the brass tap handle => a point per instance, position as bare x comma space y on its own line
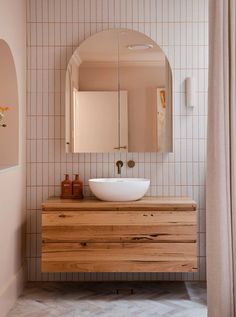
131, 163
120, 147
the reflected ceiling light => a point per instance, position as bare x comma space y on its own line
139, 47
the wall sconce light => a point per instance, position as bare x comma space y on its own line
190, 92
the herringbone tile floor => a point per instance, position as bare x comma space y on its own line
155, 299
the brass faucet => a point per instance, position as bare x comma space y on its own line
119, 164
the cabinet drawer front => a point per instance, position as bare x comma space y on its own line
129, 233
118, 257
85, 218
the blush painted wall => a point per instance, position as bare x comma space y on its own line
12, 180
55, 29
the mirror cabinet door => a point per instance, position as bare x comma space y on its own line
119, 95
145, 74
92, 98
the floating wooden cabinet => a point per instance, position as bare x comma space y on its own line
149, 235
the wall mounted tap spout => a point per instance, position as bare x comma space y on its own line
119, 164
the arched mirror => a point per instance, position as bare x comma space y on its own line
118, 95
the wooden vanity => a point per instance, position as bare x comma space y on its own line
149, 235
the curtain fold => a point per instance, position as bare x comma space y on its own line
221, 161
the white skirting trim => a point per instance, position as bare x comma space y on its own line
11, 291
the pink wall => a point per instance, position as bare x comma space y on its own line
12, 180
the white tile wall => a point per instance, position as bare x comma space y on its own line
55, 29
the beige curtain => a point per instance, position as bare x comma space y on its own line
221, 166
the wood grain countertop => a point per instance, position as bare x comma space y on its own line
147, 203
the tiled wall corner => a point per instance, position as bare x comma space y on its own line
54, 29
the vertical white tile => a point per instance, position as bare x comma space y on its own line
81, 10
159, 10
135, 11
87, 11
51, 174
189, 10
45, 10
33, 127
33, 11
62, 40
57, 34
45, 59
51, 152
57, 12
165, 11
147, 11
45, 174
75, 11
195, 173
69, 34
183, 173
51, 11
33, 57
63, 11
45, 127
44, 150
57, 150
33, 150
39, 126
51, 35
180, 24
51, 130
177, 128
69, 10
171, 10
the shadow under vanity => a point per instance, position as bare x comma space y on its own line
119, 99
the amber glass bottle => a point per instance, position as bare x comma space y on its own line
77, 188
66, 187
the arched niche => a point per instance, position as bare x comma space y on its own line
9, 109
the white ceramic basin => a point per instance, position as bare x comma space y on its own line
119, 189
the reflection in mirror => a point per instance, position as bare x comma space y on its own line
118, 95
9, 110
145, 73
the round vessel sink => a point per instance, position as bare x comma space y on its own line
119, 189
